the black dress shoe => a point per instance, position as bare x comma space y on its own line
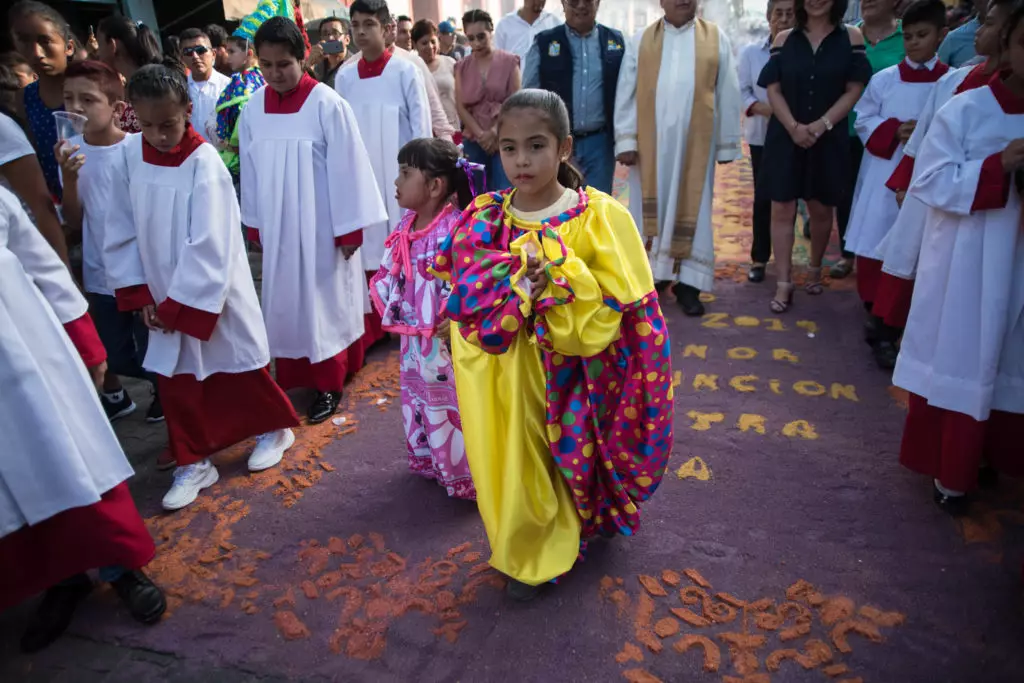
324, 406
756, 273
689, 299
141, 596
988, 477
521, 592
661, 285
54, 614
955, 506
885, 353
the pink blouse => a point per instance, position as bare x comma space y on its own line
483, 97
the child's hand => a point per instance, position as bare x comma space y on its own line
905, 130
150, 318
900, 196
70, 162
348, 252
1013, 156
537, 276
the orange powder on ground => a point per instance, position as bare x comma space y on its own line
629, 653
640, 676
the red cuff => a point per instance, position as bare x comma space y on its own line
899, 181
86, 340
133, 298
750, 110
178, 317
352, 239
884, 141
252, 235
993, 185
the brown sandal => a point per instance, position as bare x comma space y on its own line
783, 297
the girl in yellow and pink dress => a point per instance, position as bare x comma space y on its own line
561, 354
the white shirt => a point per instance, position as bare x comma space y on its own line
513, 33
204, 95
752, 62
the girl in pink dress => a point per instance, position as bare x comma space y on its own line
410, 301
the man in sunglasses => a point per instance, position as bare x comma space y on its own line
205, 84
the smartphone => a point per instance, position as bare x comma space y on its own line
333, 47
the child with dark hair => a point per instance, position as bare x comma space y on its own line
94, 90
43, 37
962, 355
127, 46
885, 118
433, 185
308, 190
902, 245
561, 354
20, 67
173, 250
218, 36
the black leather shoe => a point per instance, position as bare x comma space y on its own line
956, 506
689, 299
988, 477
871, 331
324, 406
661, 285
756, 273
54, 614
885, 353
141, 596
521, 592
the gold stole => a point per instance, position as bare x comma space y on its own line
699, 137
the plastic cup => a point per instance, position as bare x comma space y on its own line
69, 125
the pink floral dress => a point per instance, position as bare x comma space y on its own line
410, 301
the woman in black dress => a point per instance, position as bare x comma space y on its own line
816, 74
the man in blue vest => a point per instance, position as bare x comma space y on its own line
580, 61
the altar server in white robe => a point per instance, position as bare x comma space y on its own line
677, 112
887, 113
307, 192
64, 504
902, 244
174, 251
962, 355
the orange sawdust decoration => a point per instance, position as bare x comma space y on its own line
290, 626
370, 587
807, 627
629, 653
640, 676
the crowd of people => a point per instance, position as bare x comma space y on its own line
475, 221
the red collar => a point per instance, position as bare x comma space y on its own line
909, 74
1010, 103
376, 67
290, 102
975, 78
176, 157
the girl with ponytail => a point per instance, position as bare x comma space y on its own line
127, 46
433, 186
560, 351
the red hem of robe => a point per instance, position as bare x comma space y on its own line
993, 185
253, 235
290, 102
352, 239
376, 67
909, 74
107, 533
950, 446
901, 176
189, 143
327, 375
974, 79
1009, 102
177, 317
86, 339
133, 298
884, 141
892, 300
869, 271
204, 417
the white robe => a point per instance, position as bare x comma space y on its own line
176, 230
306, 179
902, 244
874, 205
59, 451
963, 349
394, 102
673, 110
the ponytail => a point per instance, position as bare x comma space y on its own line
458, 182
569, 176
138, 40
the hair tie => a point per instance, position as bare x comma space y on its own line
469, 168
138, 24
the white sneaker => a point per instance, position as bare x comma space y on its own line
270, 448
188, 482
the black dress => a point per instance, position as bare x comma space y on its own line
811, 83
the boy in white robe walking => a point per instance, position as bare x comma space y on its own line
173, 250
307, 192
962, 355
886, 115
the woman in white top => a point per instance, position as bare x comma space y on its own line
425, 40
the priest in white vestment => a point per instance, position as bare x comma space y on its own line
677, 112
64, 505
308, 191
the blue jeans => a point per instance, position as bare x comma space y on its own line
124, 336
594, 156
496, 178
